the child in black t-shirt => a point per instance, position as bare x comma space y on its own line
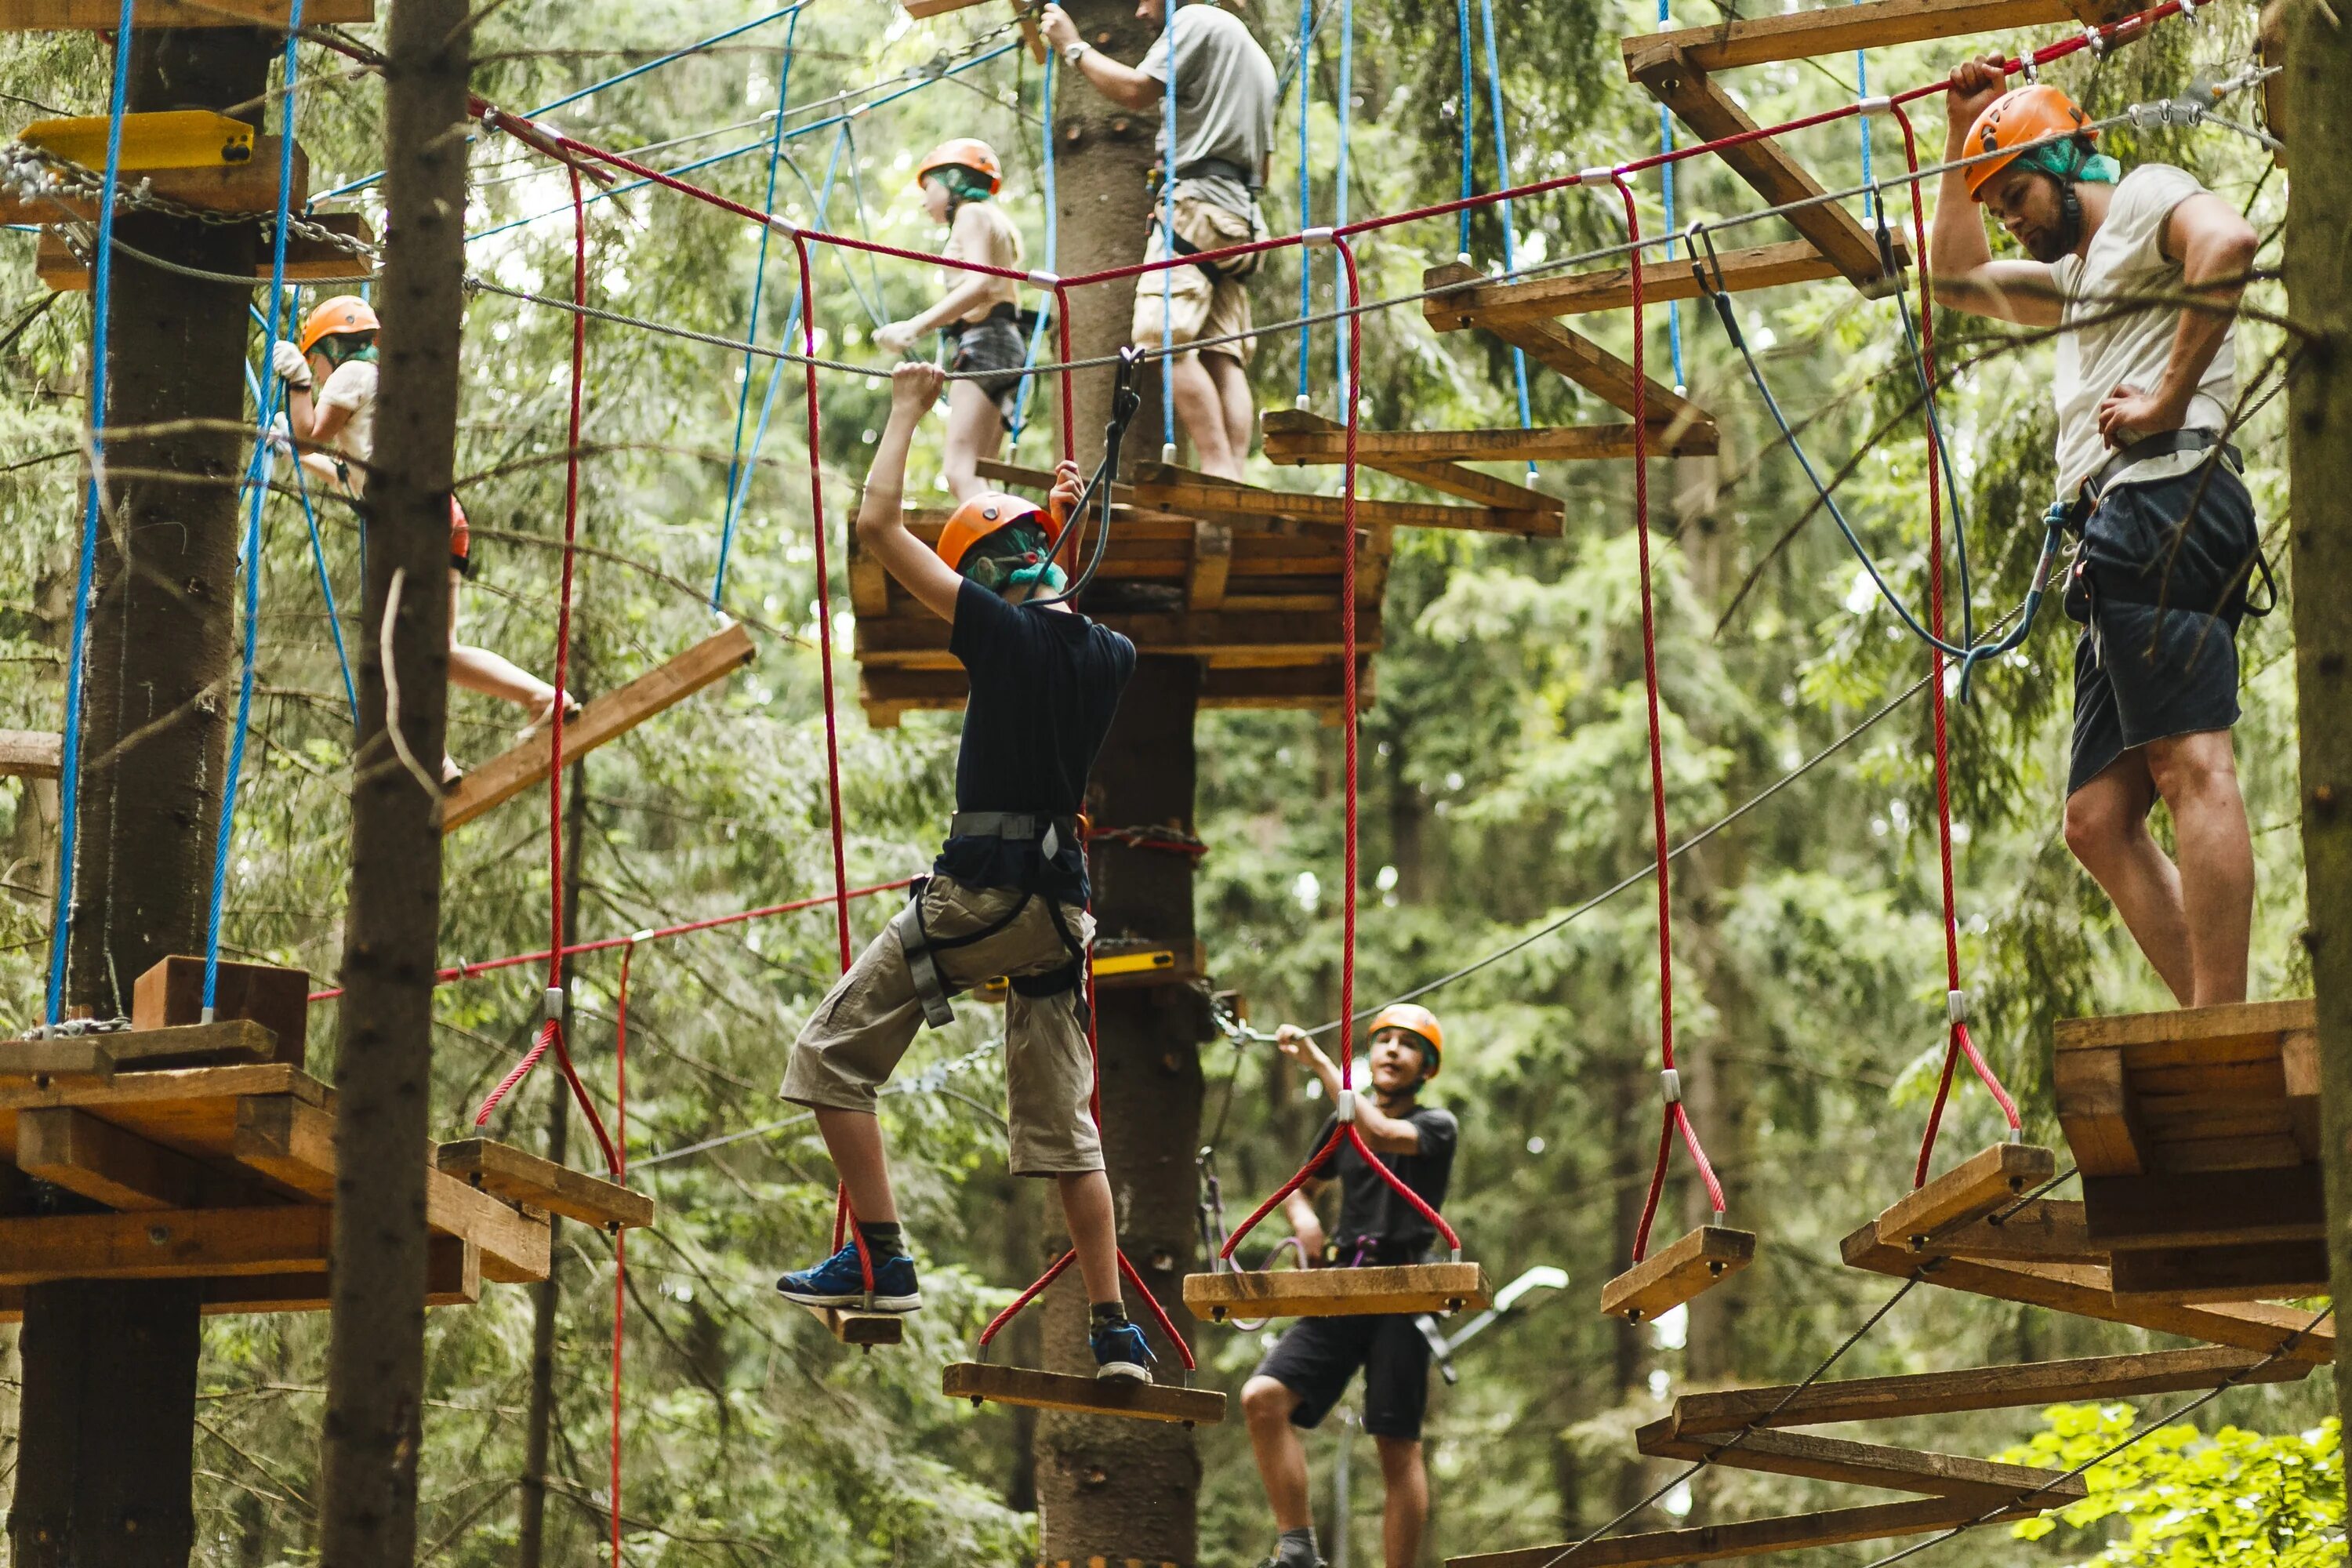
1007, 894
1308, 1367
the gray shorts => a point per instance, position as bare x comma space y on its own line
852, 1044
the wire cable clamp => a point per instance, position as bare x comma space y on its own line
554, 1002
1956, 1006
1669, 1084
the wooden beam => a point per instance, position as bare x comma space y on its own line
102, 15
1569, 442
1579, 358
453, 1278
307, 260
99, 1057
2097, 1113
888, 691
1702, 104
173, 1245
31, 753
1746, 1537
1815, 1457
166, 1087
70, 1148
506, 1172
607, 718
2190, 1274
248, 187
1611, 289
1841, 29
1667, 1279
2189, 1026
1976, 1388
982, 1384
1337, 1293
863, 1330
1181, 490
1210, 567
1279, 424
1969, 1191
2044, 1230
921, 641
2213, 1208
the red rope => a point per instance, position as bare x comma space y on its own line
1676, 1119
620, 1236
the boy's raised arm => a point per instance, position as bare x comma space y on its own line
881, 530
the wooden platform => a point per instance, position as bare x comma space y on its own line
102, 15
2198, 1136
31, 753
982, 1384
602, 719
1338, 1293
306, 259
1667, 1279
249, 187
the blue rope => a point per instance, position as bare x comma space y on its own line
1860, 89
1503, 178
101, 280
1168, 248
289, 75
1306, 190
735, 470
792, 11
1666, 185
1469, 128
1053, 243
318, 546
1345, 109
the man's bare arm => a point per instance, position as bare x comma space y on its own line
881, 530
2215, 248
1122, 84
1959, 256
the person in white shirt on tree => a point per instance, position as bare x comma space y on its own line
330, 371
2141, 274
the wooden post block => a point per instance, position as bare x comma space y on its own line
2213, 1208
607, 718
982, 1384
1211, 568
511, 1173
863, 1330
74, 1149
2243, 1273
2096, 1111
1970, 1190
31, 753
1337, 1293
172, 991
1665, 1280
1814, 1458
1745, 1537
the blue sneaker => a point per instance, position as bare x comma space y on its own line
1120, 1354
838, 1281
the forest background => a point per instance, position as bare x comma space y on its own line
1503, 787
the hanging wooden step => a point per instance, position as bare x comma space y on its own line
1971, 1190
1750, 1537
1810, 1456
863, 1330
1667, 1279
987, 1385
1550, 295
1411, 1288
604, 719
521, 1177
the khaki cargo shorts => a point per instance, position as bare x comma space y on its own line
853, 1043
1185, 301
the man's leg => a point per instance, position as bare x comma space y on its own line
2106, 827
1200, 406
1267, 1405
2196, 776
1094, 1232
853, 1138
975, 430
1233, 396
1406, 1513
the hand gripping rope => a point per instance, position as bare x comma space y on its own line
1676, 1119
1344, 1124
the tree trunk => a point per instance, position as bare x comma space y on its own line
110, 1368
375, 1367
2319, 410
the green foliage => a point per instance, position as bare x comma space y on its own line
2187, 1499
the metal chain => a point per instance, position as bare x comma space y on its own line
35, 172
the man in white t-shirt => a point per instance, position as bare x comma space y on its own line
2145, 389
1225, 93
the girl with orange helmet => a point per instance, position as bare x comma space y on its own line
981, 314
330, 371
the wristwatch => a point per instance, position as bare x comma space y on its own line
1074, 51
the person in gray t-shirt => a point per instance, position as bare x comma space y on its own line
1225, 93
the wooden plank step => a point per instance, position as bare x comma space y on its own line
1552, 295
1842, 1459
2086, 1291
103, 15
2191, 1274
1234, 635
98, 1057
1833, 29
1565, 442
2207, 1027
169, 1093
605, 717
1182, 490
1746, 1537
863, 1330
1577, 357
1283, 426
519, 1177
1665, 1280
2217, 1208
31, 753
1969, 1191
983, 1383
1975, 1388
1337, 1293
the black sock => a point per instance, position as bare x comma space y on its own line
1296, 1549
1108, 1312
884, 1240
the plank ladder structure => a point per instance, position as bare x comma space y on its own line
1244, 578
604, 719
213, 1152
2198, 1136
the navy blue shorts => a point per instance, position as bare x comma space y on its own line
1316, 1357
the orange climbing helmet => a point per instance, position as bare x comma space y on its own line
1421, 1024
964, 152
2017, 117
334, 318
987, 513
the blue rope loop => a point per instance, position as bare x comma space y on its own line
1053, 245
102, 301
1503, 175
317, 545
1306, 191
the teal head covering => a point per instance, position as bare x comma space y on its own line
1017, 556
964, 184
2071, 159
